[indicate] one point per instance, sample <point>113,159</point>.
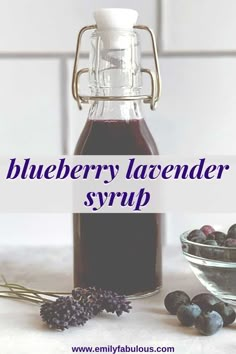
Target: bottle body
<point>120,252</point>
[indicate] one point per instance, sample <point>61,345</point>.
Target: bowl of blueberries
<point>212,256</point>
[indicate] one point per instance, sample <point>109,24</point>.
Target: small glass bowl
<point>214,266</point>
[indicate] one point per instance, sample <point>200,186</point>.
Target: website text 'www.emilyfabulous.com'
<point>122,349</point>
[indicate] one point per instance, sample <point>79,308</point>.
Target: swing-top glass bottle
<point>120,252</point>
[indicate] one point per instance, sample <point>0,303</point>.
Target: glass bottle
<point>120,252</point>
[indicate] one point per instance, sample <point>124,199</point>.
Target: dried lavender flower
<point>63,312</point>
<point>115,303</point>
<point>89,298</point>
<point>68,311</point>
<point>97,300</point>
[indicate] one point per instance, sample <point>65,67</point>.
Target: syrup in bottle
<point>119,252</point>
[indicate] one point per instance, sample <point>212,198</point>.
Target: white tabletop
<point>22,331</point>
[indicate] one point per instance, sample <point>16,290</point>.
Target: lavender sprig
<point>60,310</point>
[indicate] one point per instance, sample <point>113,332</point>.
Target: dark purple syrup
<point>120,252</point>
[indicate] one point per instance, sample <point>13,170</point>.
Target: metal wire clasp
<point>151,99</point>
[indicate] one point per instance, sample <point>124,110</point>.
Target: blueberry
<point>209,252</point>
<point>191,249</point>
<point>187,314</point>
<point>211,236</point>
<point>218,254</point>
<point>197,236</point>
<point>174,300</point>
<point>205,301</point>
<point>207,229</point>
<point>219,237</point>
<point>210,242</point>
<point>232,232</point>
<point>195,250</point>
<point>226,311</point>
<point>209,323</point>
<point>230,242</point>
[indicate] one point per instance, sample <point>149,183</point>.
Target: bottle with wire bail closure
<point>118,252</point>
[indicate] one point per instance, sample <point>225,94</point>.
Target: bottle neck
<point>116,110</point>
<point>115,71</point>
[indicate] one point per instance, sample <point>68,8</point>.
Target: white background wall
<point>196,115</point>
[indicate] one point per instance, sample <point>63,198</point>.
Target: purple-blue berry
<point>209,252</point>
<point>230,242</point>
<point>211,236</point>
<point>210,243</point>
<point>209,323</point>
<point>232,232</point>
<point>226,311</point>
<point>197,236</point>
<point>187,314</point>
<point>205,301</point>
<point>207,229</point>
<point>174,300</point>
<point>219,237</point>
